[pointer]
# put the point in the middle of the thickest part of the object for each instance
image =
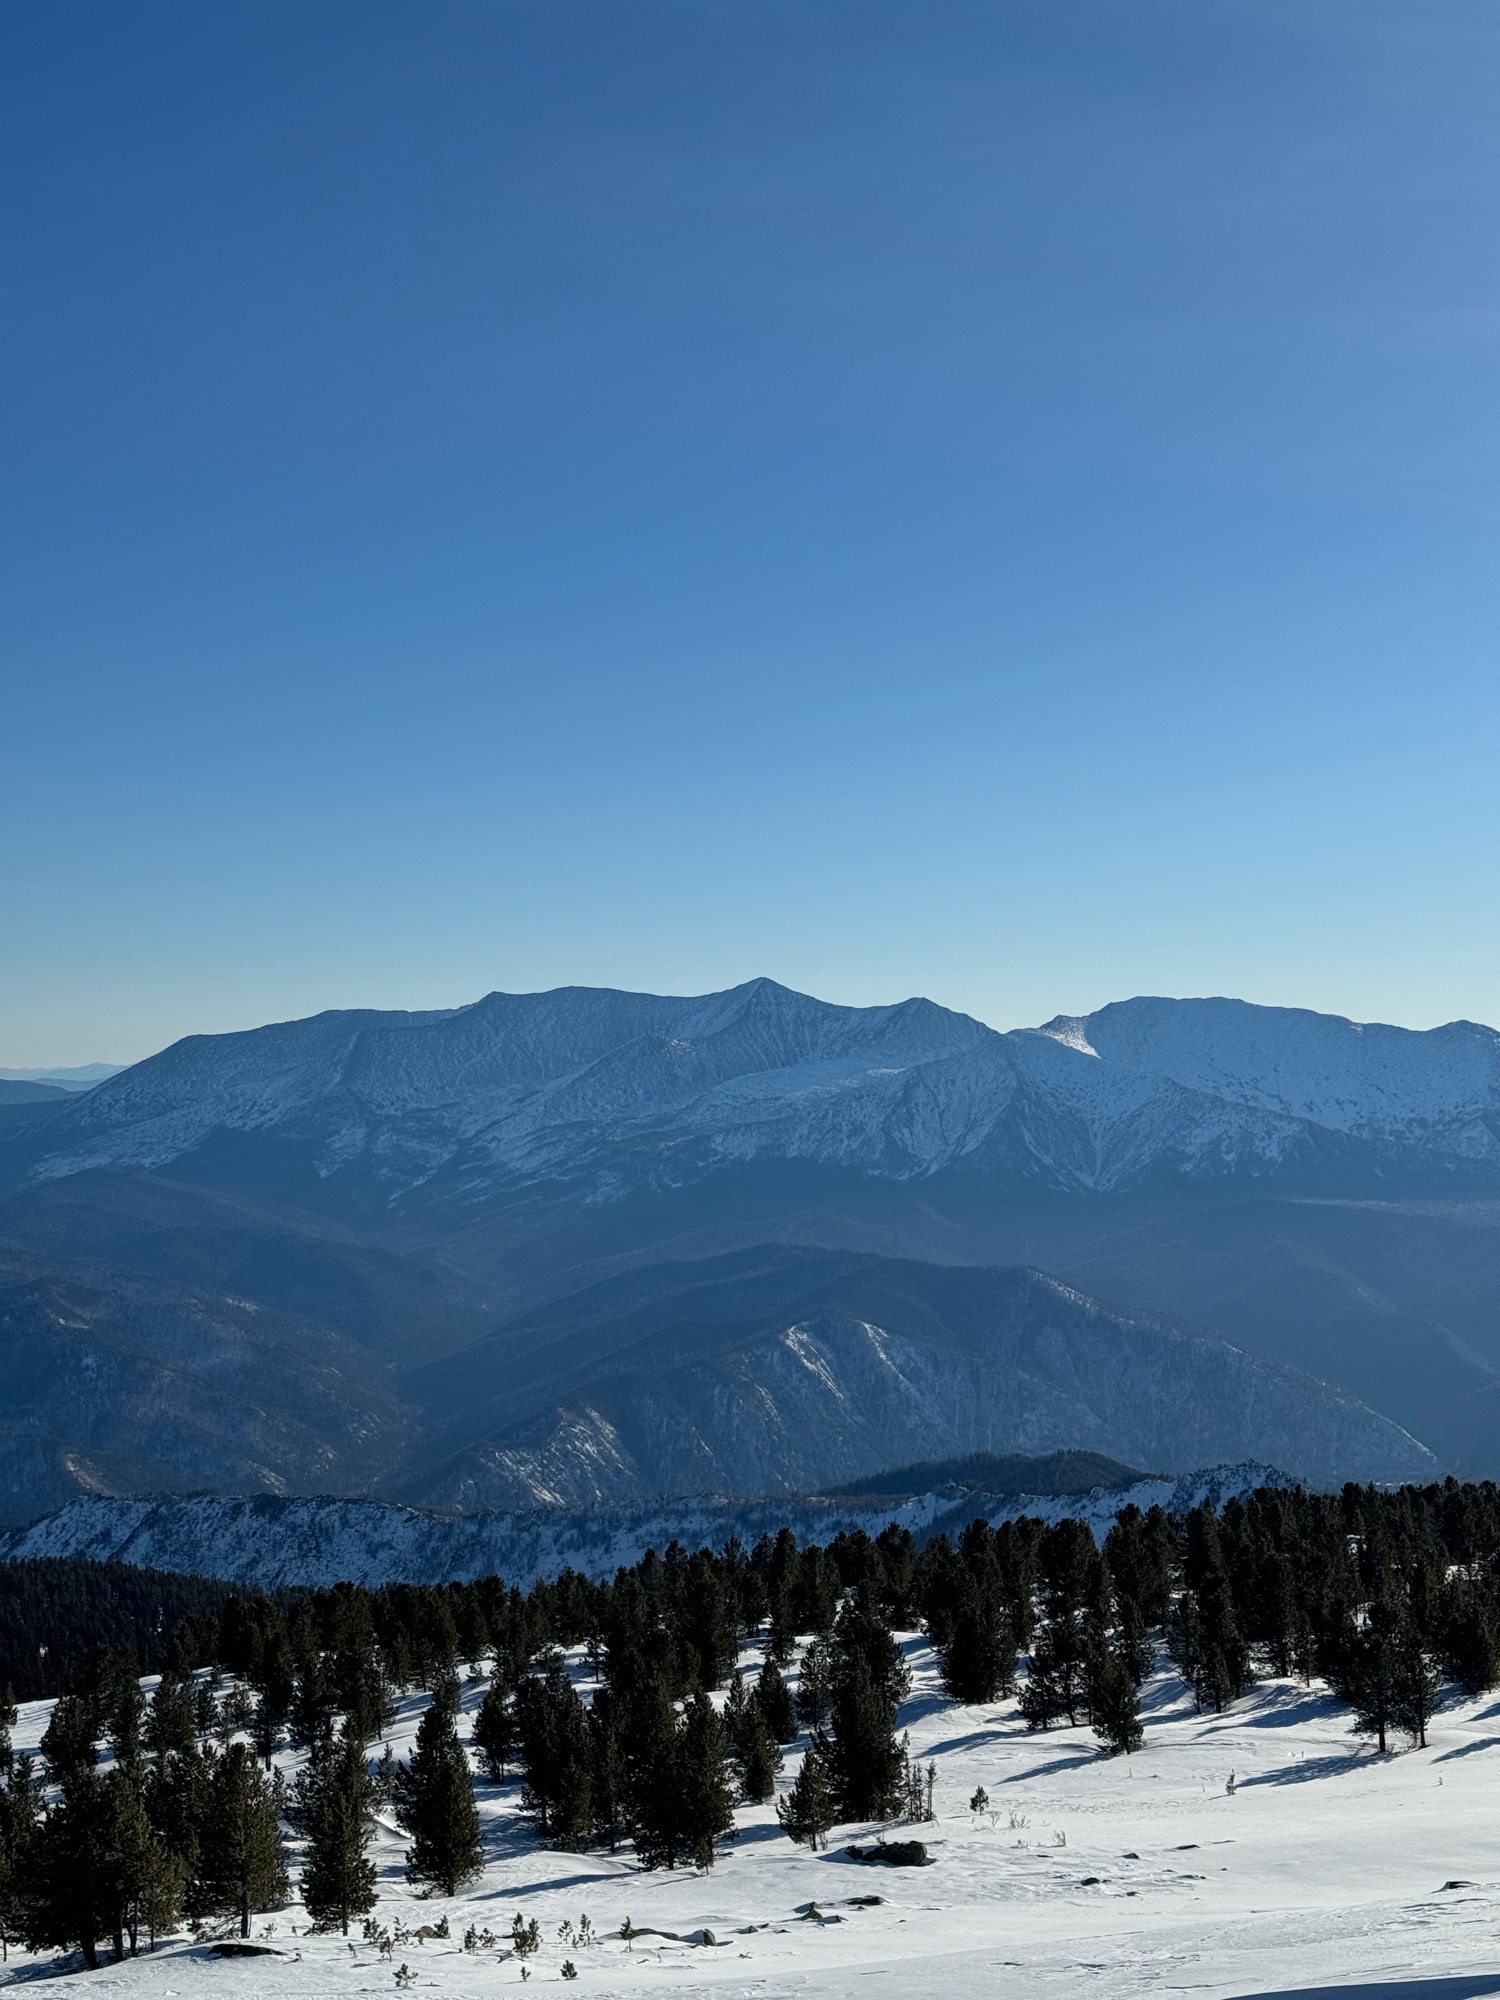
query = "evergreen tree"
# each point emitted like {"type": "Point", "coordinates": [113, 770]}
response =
{"type": "Point", "coordinates": [814, 1685]}
{"type": "Point", "coordinates": [608, 1770]}
{"type": "Point", "coordinates": [241, 1862]}
{"type": "Point", "coordinates": [338, 1880]}
{"type": "Point", "coordinates": [707, 1795]}
{"type": "Point", "coordinates": [775, 1702]}
{"type": "Point", "coordinates": [755, 1754]}
{"type": "Point", "coordinates": [653, 1780]}
{"type": "Point", "coordinates": [435, 1802]}
{"type": "Point", "coordinates": [806, 1811]}
{"type": "Point", "coordinates": [979, 1659]}
{"type": "Point", "coordinates": [169, 1726]}
{"type": "Point", "coordinates": [20, 1809]}
{"type": "Point", "coordinates": [1471, 1637]}
{"type": "Point", "coordinates": [556, 1755]}
{"type": "Point", "coordinates": [311, 1711]}
{"type": "Point", "coordinates": [7, 1724]}
{"type": "Point", "coordinates": [142, 1880]}
{"type": "Point", "coordinates": [1113, 1704]}
{"type": "Point", "coordinates": [868, 1679]}
{"type": "Point", "coordinates": [1416, 1682]}
{"type": "Point", "coordinates": [68, 1744]}
{"type": "Point", "coordinates": [494, 1733]}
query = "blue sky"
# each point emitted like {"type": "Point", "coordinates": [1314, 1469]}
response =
{"type": "Point", "coordinates": [997, 501]}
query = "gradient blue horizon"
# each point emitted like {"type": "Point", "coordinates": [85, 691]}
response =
{"type": "Point", "coordinates": [996, 502]}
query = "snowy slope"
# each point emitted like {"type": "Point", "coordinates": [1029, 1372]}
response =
{"type": "Point", "coordinates": [316, 1542]}
{"type": "Point", "coordinates": [599, 1092]}
{"type": "Point", "coordinates": [1329, 1871]}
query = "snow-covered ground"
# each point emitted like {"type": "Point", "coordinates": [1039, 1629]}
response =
{"type": "Point", "coordinates": [1326, 1868]}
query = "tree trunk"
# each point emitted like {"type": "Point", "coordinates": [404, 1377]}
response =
{"type": "Point", "coordinates": [90, 1954]}
{"type": "Point", "coordinates": [245, 1913]}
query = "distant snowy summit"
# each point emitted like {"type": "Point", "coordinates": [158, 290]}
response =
{"type": "Point", "coordinates": [587, 1093]}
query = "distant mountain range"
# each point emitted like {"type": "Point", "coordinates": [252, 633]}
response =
{"type": "Point", "coordinates": [599, 1094]}
{"type": "Point", "coordinates": [512, 1229]}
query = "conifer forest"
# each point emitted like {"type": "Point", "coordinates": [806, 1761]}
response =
{"type": "Point", "coordinates": [623, 1718]}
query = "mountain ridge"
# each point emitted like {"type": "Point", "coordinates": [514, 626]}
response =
{"type": "Point", "coordinates": [597, 1091]}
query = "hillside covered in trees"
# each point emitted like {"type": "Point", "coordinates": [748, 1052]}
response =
{"type": "Point", "coordinates": [636, 1718]}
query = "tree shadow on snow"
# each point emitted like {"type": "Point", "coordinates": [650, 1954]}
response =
{"type": "Point", "coordinates": [1468, 1749]}
{"type": "Point", "coordinates": [1308, 1768]}
{"type": "Point", "coordinates": [1468, 1986]}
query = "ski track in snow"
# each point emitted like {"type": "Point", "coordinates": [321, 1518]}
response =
{"type": "Point", "coordinates": [1323, 1873]}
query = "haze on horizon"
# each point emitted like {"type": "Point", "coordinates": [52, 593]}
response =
{"type": "Point", "coordinates": [998, 504]}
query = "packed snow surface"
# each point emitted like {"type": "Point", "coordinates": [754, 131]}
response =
{"type": "Point", "coordinates": [1327, 1870]}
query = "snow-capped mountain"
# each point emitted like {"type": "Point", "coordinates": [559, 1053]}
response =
{"type": "Point", "coordinates": [596, 1093]}
{"type": "Point", "coordinates": [277, 1544]}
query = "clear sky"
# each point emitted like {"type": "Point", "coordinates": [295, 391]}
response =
{"type": "Point", "coordinates": [992, 500]}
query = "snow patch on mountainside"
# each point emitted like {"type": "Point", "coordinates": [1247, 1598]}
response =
{"type": "Point", "coordinates": [313, 1543]}
{"type": "Point", "coordinates": [606, 1091]}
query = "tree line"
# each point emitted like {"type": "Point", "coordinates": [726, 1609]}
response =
{"type": "Point", "coordinates": [143, 1812]}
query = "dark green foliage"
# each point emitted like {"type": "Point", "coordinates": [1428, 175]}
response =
{"type": "Point", "coordinates": [867, 1682]}
{"type": "Point", "coordinates": [703, 1775]}
{"type": "Point", "coordinates": [69, 1747]}
{"type": "Point", "coordinates": [775, 1701]}
{"type": "Point", "coordinates": [495, 1734]}
{"type": "Point", "coordinates": [1208, 1642]}
{"type": "Point", "coordinates": [93, 1869]}
{"type": "Point", "coordinates": [556, 1755]}
{"type": "Point", "coordinates": [70, 1606]}
{"type": "Point", "coordinates": [752, 1747]}
{"type": "Point", "coordinates": [241, 1863]}
{"type": "Point", "coordinates": [806, 1812]}
{"type": "Point", "coordinates": [20, 1810]}
{"type": "Point", "coordinates": [979, 1658]}
{"type": "Point", "coordinates": [435, 1803]}
{"type": "Point", "coordinates": [338, 1879]}
{"type": "Point", "coordinates": [1113, 1704]}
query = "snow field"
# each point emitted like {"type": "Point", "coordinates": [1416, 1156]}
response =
{"type": "Point", "coordinates": [1325, 1868]}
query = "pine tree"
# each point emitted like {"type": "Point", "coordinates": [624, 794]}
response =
{"type": "Point", "coordinates": [142, 1880]}
{"type": "Point", "coordinates": [756, 1756]}
{"type": "Point", "coordinates": [494, 1731]}
{"type": "Point", "coordinates": [241, 1863]}
{"type": "Point", "coordinates": [59, 1891]}
{"type": "Point", "coordinates": [7, 1724]}
{"type": "Point", "coordinates": [707, 1795]}
{"type": "Point", "coordinates": [806, 1811]}
{"type": "Point", "coordinates": [68, 1745]}
{"type": "Point", "coordinates": [979, 1658]}
{"type": "Point", "coordinates": [435, 1803]}
{"type": "Point", "coordinates": [556, 1754]}
{"type": "Point", "coordinates": [868, 1679]}
{"type": "Point", "coordinates": [1113, 1703]}
{"type": "Point", "coordinates": [775, 1701]}
{"type": "Point", "coordinates": [648, 1724]}
{"type": "Point", "coordinates": [20, 1809]}
{"type": "Point", "coordinates": [170, 1723]}
{"type": "Point", "coordinates": [1416, 1682]}
{"type": "Point", "coordinates": [814, 1691]}
{"type": "Point", "coordinates": [338, 1880]}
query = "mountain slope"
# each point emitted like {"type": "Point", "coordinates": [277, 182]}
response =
{"type": "Point", "coordinates": [118, 1384]}
{"type": "Point", "coordinates": [786, 1371]}
{"type": "Point", "coordinates": [592, 1093]}
{"type": "Point", "coordinates": [274, 1543]}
